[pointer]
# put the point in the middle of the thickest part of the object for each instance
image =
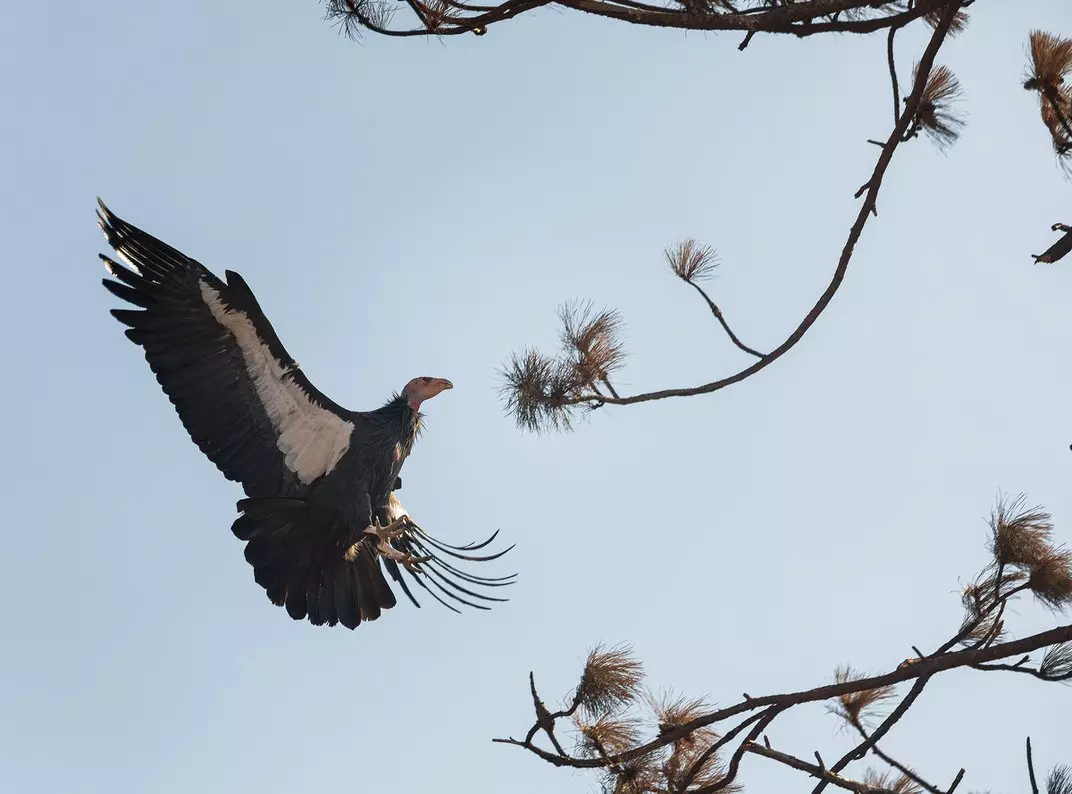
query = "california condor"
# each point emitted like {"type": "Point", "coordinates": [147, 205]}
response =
{"type": "Point", "coordinates": [320, 513]}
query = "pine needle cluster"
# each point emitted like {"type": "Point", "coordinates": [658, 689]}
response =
{"type": "Point", "coordinates": [857, 708]}
{"type": "Point", "coordinates": [936, 115]}
{"type": "Point", "coordinates": [691, 261]}
{"type": "Point", "coordinates": [545, 392]}
{"type": "Point", "coordinates": [1021, 539]}
{"type": "Point", "coordinates": [891, 782]}
{"type": "Point", "coordinates": [611, 680]}
{"type": "Point", "coordinates": [614, 714]}
{"type": "Point", "coordinates": [1049, 70]}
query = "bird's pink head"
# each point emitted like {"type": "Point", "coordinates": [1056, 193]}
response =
{"type": "Point", "coordinates": [420, 389]}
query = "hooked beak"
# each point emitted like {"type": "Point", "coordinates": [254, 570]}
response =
{"type": "Point", "coordinates": [444, 384]}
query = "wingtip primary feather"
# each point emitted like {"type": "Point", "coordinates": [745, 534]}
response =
{"type": "Point", "coordinates": [105, 216]}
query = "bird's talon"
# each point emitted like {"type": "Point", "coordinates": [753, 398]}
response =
{"type": "Point", "coordinates": [385, 533]}
{"type": "Point", "coordinates": [402, 558]}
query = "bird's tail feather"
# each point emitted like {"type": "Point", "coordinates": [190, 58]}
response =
{"type": "Point", "coordinates": [300, 571]}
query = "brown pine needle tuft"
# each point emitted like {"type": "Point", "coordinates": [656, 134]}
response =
{"type": "Point", "coordinates": [935, 115]}
{"type": "Point", "coordinates": [1051, 61]}
{"type": "Point", "coordinates": [436, 13]}
{"type": "Point", "coordinates": [1050, 74]}
{"type": "Point", "coordinates": [1019, 535]}
{"type": "Point", "coordinates": [636, 777]}
{"type": "Point", "coordinates": [975, 630]}
{"type": "Point", "coordinates": [692, 261]}
{"type": "Point", "coordinates": [985, 590]}
{"type": "Point", "coordinates": [886, 781]}
{"type": "Point", "coordinates": [856, 707]}
{"type": "Point", "coordinates": [674, 711]}
{"type": "Point", "coordinates": [352, 16]}
{"type": "Point", "coordinates": [1056, 109]}
{"type": "Point", "coordinates": [607, 736]}
{"type": "Point", "coordinates": [982, 619]}
{"type": "Point", "coordinates": [960, 20]}
{"type": "Point", "coordinates": [611, 679]}
{"type": "Point", "coordinates": [684, 756]}
{"type": "Point", "coordinates": [591, 340]}
{"type": "Point", "coordinates": [536, 389]}
{"type": "Point", "coordinates": [1057, 663]}
{"type": "Point", "coordinates": [1051, 579]}
{"type": "Point", "coordinates": [545, 392]}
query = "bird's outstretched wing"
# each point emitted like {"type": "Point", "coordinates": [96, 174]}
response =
{"type": "Point", "coordinates": [240, 395]}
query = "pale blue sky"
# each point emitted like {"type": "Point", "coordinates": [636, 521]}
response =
{"type": "Point", "coordinates": [415, 207]}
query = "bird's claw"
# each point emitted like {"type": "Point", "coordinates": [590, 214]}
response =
{"type": "Point", "coordinates": [384, 534]}
{"type": "Point", "coordinates": [406, 559]}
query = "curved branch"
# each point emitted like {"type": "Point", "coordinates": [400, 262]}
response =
{"type": "Point", "coordinates": [868, 206]}
{"type": "Point", "coordinates": [893, 73]}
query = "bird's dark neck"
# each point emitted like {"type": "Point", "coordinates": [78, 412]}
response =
{"type": "Point", "coordinates": [399, 418]}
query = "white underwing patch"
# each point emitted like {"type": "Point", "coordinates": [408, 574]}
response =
{"type": "Point", "coordinates": [311, 438]}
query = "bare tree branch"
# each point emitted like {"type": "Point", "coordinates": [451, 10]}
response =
{"type": "Point", "coordinates": [926, 667]}
{"type": "Point", "coordinates": [807, 18]}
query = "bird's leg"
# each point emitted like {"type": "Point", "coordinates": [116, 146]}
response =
{"type": "Point", "coordinates": [385, 534]}
{"type": "Point", "coordinates": [410, 561]}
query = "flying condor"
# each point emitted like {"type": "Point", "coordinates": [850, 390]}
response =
{"type": "Point", "coordinates": [320, 513]}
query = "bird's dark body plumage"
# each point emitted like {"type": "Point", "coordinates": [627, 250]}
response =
{"type": "Point", "coordinates": [315, 474]}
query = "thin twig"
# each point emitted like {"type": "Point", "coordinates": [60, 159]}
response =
{"type": "Point", "coordinates": [956, 782]}
{"type": "Point", "coordinates": [1031, 768]}
{"type": "Point", "coordinates": [815, 771]}
{"type": "Point", "coordinates": [891, 719]}
{"type": "Point", "coordinates": [735, 760]}
{"type": "Point", "coordinates": [904, 770]}
{"type": "Point", "coordinates": [704, 757]}
{"type": "Point", "coordinates": [893, 74]}
{"type": "Point", "coordinates": [722, 321]}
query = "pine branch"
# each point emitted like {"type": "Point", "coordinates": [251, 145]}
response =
{"type": "Point", "coordinates": [801, 19]}
{"type": "Point", "coordinates": [924, 668]}
{"type": "Point", "coordinates": [908, 117]}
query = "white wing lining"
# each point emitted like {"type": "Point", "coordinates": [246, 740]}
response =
{"type": "Point", "coordinates": [311, 438]}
